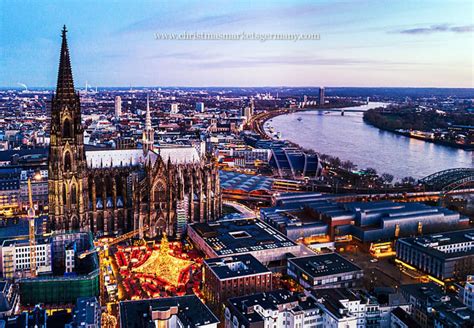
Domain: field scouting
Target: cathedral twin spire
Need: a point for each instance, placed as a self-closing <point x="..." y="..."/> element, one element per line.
<point x="65" y="84"/>
<point x="65" y="89"/>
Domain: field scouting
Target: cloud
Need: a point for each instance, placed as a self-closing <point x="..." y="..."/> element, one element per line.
<point x="440" y="28"/>
<point x="236" y="18"/>
<point x="294" y="61"/>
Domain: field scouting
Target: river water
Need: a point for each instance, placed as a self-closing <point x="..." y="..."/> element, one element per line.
<point x="349" y="138"/>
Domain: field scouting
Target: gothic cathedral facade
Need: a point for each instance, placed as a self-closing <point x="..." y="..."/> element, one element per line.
<point x="113" y="191"/>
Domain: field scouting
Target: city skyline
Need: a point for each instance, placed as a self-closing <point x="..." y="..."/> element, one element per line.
<point x="234" y="206"/>
<point x="362" y="43"/>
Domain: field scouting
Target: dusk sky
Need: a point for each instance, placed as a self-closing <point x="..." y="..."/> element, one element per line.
<point x="362" y="43"/>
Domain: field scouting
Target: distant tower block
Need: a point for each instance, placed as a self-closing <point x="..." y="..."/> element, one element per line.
<point x="174" y="108"/>
<point x="200" y="107"/>
<point x="118" y="107"/>
<point x="321" y="96"/>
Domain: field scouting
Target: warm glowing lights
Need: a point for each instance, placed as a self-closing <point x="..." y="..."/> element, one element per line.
<point x="164" y="265"/>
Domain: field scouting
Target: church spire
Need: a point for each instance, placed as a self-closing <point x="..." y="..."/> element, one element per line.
<point x="65" y="86"/>
<point x="148" y="116"/>
<point x="148" y="132"/>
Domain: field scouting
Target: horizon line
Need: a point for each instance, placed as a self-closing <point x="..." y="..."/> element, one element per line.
<point x="16" y="87"/>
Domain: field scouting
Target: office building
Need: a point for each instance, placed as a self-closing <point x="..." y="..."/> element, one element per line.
<point x="118" y="107"/>
<point x="200" y="107"/>
<point x="232" y="276"/>
<point x="243" y="236"/>
<point x="60" y="286"/>
<point x="324" y="271"/>
<point x="174" y="108"/>
<point x="322" y="101"/>
<point x="443" y="256"/>
<point x="39" y="187"/>
<point x="9" y="189"/>
<point x="16" y="257"/>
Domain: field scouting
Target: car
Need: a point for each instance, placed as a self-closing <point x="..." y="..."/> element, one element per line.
<point x="374" y="260"/>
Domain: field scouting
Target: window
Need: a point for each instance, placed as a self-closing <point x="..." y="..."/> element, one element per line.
<point x="73" y="194"/>
<point x="67" y="162"/>
<point x="67" y="129"/>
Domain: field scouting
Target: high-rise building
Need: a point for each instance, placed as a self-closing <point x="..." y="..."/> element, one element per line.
<point x="174" y="108"/>
<point x="200" y="107"/>
<point x="248" y="111"/>
<point x="118" y="107"/>
<point x="321" y="96"/>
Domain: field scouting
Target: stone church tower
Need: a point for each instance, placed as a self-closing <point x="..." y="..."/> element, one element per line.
<point x="67" y="164"/>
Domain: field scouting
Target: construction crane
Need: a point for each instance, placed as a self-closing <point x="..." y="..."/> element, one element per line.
<point x="100" y="250"/>
<point x="31" y="224"/>
<point x="114" y="241"/>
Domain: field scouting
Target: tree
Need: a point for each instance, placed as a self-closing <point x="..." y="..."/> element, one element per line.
<point x="371" y="171"/>
<point x="335" y="161"/>
<point x="387" y="178"/>
<point x="408" y="181"/>
<point x="348" y="165"/>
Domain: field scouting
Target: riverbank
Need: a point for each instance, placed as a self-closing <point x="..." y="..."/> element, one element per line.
<point x="398" y="123"/>
<point x="258" y="121"/>
<point x="349" y="138"/>
<point x="343" y="171"/>
<point x="426" y="139"/>
<point x="420" y="137"/>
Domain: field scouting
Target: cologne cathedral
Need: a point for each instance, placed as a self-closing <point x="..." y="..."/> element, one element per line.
<point x="113" y="191"/>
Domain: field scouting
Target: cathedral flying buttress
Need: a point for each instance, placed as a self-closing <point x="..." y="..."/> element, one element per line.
<point x="113" y="191"/>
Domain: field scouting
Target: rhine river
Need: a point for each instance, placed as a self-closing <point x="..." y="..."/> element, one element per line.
<point x="349" y="138"/>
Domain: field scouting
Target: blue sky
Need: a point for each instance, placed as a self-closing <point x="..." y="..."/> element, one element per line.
<point x="363" y="43"/>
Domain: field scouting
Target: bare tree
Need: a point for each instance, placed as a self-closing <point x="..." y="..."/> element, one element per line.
<point x="387" y="178"/>
<point x="371" y="171"/>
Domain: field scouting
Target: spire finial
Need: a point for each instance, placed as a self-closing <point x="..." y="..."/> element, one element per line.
<point x="148" y="115"/>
